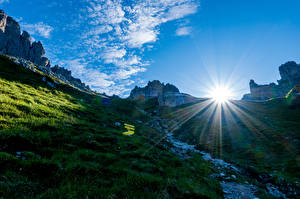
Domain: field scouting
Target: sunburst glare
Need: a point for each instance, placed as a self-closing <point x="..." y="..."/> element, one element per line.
<point x="221" y="94"/>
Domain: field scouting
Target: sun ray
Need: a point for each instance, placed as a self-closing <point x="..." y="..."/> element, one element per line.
<point x="188" y="113"/>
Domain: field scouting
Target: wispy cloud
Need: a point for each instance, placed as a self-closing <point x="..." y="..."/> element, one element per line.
<point x="93" y="77"/>
<point x="183" y="31"/>
<point x="115" y="34"/>
<point x="3" y="1"/>
<point x="40" y="29"/>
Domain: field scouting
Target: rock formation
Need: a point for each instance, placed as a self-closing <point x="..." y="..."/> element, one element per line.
<point x="290" y="74"/>
<point x="290" y="77"/>
<point x="20" y="46"/>
<point x="66" y="76"/>
<point x="167" y="95"/>
<point x="13" y="43"/>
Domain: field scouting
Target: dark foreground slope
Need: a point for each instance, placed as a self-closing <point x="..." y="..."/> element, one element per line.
<point x="62" y="143"/>
<point x="261" y="137"/>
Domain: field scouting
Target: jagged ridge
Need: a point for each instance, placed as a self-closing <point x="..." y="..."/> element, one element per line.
<point x="290" y="77"/>
<point x="20" y="45"/>
<point x="167" y="94"/>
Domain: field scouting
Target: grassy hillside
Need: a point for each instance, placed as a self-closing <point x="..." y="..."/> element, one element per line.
<point x="62" y="143"/>
<point x="262" y="137"/>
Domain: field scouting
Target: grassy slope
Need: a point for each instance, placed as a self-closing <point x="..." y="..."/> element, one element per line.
<point x="261" y="137"/>
<point x="61" y="143"/>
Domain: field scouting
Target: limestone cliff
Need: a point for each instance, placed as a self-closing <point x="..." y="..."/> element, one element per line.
<point x="290" y="77"/>
<point x="166" y="94"/>
<point x="20" y="46"/>
<point x="13" y="43"/>
<point x="66" y="76"/>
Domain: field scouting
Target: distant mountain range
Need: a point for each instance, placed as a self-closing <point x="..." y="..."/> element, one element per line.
<point x="20" y="46"/>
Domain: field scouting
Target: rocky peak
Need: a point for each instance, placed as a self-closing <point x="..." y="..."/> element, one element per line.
<point x="3" y="19"/>
<point x="12" y="27"/>
<point x="153" y="89"/>
<point x="290" y="72"/>
<point x="15" y="43"/>
<point x="252" y="84"/>
<point x="19" y="45"/>
<point x="290" y="77"/>
<point x="170" y="88"/>
<point x="62" y="71"/>
<point x="166" y="94"/>
<point x="25" y="35"/>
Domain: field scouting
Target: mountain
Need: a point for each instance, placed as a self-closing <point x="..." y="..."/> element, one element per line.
<point x="65" y="143"/>
<point x="13" y="43"/>
<point x="166" y="95"/>
<point x="58" y="139"/>
<point x="20" y="47"/>
<point x="290" y="77"/>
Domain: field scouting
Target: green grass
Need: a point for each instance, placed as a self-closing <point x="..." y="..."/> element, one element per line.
<point x="62" y="143"/>
<point x="265" y="138"/>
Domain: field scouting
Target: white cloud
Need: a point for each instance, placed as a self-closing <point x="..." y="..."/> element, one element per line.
<point x="92" y="77"/>
<point x="105" y="12"/>
<point x="99" y="30"/>
<point x="183" y="31"/>
<point x="3" y="1"/>
<point x="121" y="31"/>
<point x="180" y="11"/>
<point x="136" y="24"/>
<point x="40" y="29"/>
<point x="113" y="54"/>
<point x="114" y="35"/>
<point x="125" y="73"/>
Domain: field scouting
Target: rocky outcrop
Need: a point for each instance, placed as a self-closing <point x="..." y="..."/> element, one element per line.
<point x="167" y="95"/>
<point x="13" y="43"/>
<point x="290" y="74"/>
<point x="290" y="77"/>
<point x="66" y="76"/>
<point x="20" y="46"/>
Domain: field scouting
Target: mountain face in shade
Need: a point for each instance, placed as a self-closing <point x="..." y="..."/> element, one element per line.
<point x="15" y="43"/>
<point x="290" y="77"/>
<point x="19" y="45"/>
<point x="167" y="94"/>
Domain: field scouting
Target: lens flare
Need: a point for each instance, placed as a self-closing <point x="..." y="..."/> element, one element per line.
<point x="221" y="94"/>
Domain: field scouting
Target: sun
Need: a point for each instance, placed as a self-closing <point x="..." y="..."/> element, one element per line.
<point x="220" y="94"/>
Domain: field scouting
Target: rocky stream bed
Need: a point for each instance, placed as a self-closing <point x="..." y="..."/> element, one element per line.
<point x="235" y="181"/>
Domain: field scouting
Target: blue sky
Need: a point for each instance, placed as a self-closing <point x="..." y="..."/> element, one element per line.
<point x="113" y="45"/>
